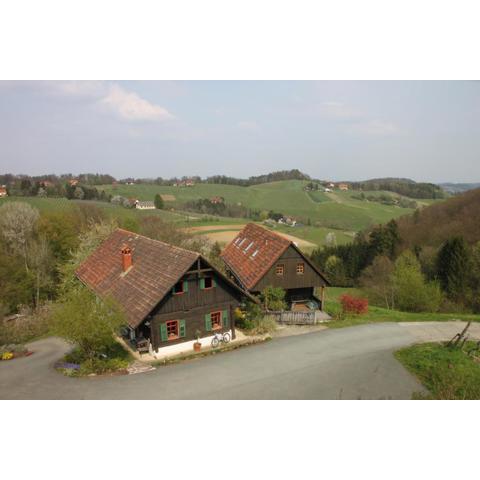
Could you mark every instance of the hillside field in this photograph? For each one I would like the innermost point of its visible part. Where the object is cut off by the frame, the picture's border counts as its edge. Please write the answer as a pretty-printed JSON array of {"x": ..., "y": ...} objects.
[
  {"x": 337, "y": 210},
  {"x": 308, "y": 237}
]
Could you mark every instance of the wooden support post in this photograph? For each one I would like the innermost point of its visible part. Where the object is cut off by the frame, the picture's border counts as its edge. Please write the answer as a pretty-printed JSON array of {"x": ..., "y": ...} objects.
[
  {"x": 232, "y": 322},
  {"x": 323, "y": 298}
]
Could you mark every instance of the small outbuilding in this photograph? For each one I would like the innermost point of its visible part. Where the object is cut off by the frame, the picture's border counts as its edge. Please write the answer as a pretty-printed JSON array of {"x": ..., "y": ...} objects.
[
  {"x": 257, "y": 258},
  {"x": 146, "y": 205}
]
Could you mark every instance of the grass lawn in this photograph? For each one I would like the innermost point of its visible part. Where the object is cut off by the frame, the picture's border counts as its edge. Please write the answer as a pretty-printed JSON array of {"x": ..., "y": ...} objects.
[
  {"x": 379, "y": 314},
  {"x": 448, "y": 373}
]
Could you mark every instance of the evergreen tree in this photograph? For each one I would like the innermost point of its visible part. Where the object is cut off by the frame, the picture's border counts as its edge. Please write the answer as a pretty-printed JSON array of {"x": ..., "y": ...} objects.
[
  {"x": 158, "y": 201},
  {"x": 453, "y": 268}
]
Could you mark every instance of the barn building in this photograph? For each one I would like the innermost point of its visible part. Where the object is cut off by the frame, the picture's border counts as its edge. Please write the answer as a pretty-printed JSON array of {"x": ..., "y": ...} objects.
[
  {"x": 146, "y": 205},
  {"x": 257, "y": 258},
  {"x": 169, "y": 295}
]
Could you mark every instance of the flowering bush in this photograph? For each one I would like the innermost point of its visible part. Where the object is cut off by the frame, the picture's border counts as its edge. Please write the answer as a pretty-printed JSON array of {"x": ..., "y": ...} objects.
[
  {"x": 7, "y": 356},
  {"x": 357, "y": 306}
]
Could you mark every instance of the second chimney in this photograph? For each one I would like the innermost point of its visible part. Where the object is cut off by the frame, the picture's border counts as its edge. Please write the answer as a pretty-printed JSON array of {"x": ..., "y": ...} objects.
[{"x": 126, "y": 257}]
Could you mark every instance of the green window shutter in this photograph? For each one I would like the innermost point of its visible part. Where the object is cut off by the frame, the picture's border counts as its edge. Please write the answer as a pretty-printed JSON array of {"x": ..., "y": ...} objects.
[
  {"x": 182, "y": 329},
  {"x": 163, "y": 332},
  {"x": 185, "y": 286},
  {"x": 225, "y": 319},
  {"x": 202, "y": 283},
  {"x": 214, "y": 282},
  {"x": 208, "y": 323}
]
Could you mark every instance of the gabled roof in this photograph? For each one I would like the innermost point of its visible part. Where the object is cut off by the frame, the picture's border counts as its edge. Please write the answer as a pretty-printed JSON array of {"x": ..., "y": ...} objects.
[
  {"x": 254, "y": 251},
  {"x": 156, "y": 268}
]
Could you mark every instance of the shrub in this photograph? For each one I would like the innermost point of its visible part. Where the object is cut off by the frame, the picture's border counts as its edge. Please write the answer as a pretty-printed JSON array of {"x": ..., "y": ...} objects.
[
  {"x": 29, "y": 325},
  {"x": 83, "y": 320},
  {"x": 253, "y": 321},
  {"x": 354, "y": 305},
  {"x": 261, "y": 326},
  {"x": 101, "y": 365},
  {"x": 273, "y": 298},
  {"x": 114, "y": 358},
  {"x": 412, "y": 292}
]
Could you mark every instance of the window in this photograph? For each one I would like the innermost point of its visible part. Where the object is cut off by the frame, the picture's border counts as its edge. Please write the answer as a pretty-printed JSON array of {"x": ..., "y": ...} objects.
[
  {"x": 280, "y": 269},
  {"x": 178, "y": 288},
  {"x": 208, "y": 282},
  {"x": 248, "y": 247},
  {"x": 216, "y": 318},
  {"x": 300, "y": 268},
  {"x": 172, "y": 329}
]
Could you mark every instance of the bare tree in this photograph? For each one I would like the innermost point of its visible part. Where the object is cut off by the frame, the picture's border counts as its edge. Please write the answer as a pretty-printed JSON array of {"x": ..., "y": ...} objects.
[
  {"x": 377, "y": 282},
  {"x": 41, "y": 263},
  {"x": 17, "y": 226}
]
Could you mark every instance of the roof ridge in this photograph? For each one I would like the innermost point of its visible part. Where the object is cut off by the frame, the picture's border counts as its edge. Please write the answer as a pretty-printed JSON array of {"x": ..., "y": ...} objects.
[
  {"x": 270, "y": 231},
  {"x": 158, "y": 241}
]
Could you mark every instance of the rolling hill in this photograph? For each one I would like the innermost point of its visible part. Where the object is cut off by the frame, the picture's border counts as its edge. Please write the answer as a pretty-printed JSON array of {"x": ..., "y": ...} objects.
[
  {"x": 336, "y": 210},
  {"x": 433, "y": 225}
]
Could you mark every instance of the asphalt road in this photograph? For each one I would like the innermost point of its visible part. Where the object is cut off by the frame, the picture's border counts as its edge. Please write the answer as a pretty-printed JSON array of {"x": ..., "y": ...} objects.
[{"x": 349, "y": 363}]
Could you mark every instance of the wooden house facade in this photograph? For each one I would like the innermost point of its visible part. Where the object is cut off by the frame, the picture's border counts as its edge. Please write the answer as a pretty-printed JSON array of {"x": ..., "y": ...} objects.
[
  {"x": 258, "y": 258},
  {"x": 170, "y": 296}
]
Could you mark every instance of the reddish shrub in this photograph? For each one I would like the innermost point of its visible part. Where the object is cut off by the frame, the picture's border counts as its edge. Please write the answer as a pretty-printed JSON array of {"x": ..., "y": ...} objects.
[{"x": 350, "y": 304}]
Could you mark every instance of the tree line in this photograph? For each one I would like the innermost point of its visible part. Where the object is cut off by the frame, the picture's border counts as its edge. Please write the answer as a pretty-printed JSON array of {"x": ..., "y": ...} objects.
[{"x": 395, "y": 274}]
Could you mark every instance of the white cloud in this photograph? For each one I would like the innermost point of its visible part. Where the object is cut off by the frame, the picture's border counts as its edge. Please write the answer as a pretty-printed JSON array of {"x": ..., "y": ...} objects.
[
  {"x": 111, "y": 97},
  {"x": 130, "y": 106}
]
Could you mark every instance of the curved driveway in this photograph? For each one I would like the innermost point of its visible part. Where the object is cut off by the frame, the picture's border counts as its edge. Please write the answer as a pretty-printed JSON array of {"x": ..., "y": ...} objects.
[{"x": 348, "y": 363}]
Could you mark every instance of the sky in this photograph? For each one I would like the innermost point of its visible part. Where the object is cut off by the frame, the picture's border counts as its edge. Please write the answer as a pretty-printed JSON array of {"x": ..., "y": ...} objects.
[{"x": 331, "y": 130}]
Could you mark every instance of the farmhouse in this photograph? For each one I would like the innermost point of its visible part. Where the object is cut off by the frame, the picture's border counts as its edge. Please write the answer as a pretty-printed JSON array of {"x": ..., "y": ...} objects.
[
  {"x": 147, "y": 205},
  {"x": 3, "y": 191},
  {"x": 343, "y": 187},
  {"x": 258, "y": 258},
  {"x": 169, "y": 295},
  {"x": 216, "y": 200}
]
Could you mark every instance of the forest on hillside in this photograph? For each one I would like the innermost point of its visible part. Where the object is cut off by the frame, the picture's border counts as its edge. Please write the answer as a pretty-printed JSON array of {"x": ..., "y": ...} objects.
[
  {"x": 402, "y": 186},
  {"x": 428, "y": 261}
]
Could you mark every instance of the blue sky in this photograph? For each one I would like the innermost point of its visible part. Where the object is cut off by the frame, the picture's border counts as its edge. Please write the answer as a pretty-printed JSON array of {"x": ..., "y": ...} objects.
[{"x": 428, "y": 131}]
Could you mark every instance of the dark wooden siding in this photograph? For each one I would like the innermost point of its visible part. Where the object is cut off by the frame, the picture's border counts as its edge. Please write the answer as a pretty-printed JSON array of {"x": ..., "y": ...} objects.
[
  {"x": 197, "y": 297},
  {"x": 192, "y": 306},
  {"x": 290, "y": 279},
  {"x": 194, "y": 320}
]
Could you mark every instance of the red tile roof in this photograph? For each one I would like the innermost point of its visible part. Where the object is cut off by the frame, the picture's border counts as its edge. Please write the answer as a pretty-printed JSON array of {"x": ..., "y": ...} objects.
[
  {"x": 253, "y": 252},
  {"x": 157, "y": 266}
]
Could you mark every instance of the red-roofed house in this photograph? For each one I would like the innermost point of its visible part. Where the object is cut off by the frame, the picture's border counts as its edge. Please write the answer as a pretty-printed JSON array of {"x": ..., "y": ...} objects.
[
  {"x": 168, "y": 294},
  {"x": 3, "y": 191},
  {"x": 257, "y": 258}
]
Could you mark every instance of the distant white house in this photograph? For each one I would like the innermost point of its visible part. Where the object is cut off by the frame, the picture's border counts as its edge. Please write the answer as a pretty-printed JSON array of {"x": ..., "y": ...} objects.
[
  {"x": 147, "y": 205},
  {"x": 328, "y": 190}
]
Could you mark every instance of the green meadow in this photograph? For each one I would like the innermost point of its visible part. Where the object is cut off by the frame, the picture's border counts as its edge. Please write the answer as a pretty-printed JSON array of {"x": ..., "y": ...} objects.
[{"x": 337, "y": 210}]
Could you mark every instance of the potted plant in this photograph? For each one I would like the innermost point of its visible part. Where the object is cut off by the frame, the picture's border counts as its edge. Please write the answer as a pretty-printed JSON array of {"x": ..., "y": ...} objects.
[{"x": 197, "y": 345}]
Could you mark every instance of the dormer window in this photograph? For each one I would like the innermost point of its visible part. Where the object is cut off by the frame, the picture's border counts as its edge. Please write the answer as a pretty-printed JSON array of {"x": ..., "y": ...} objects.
[{"x": 179, "y": 288}]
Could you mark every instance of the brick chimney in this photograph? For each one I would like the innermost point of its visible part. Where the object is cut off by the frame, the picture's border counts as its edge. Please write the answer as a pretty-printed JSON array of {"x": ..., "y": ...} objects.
[{"x": 126, "y": 257}]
